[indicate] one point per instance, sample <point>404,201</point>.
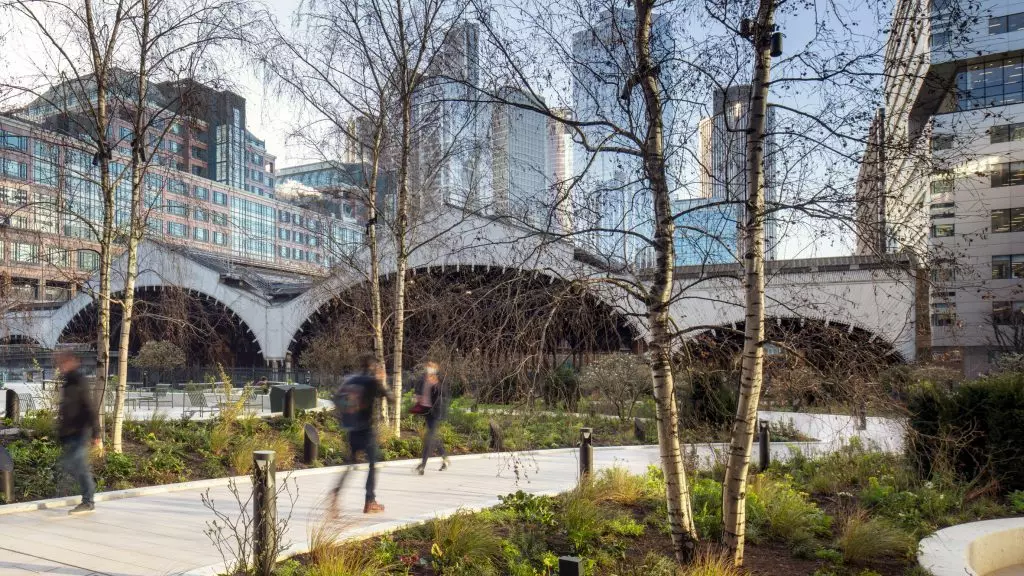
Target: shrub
<point>349,560</point>
<point>865,538</point>
<point>617,485</point>
<point>117,469</point>
<point>465,545</point>
<point>626,527</point>
<point>976,429</point>
<point>40,423</point>
<point>581,519</point>
<point>529,508</point>
<point>706,502</point>
<point>711,563</point>
<point>619,379</point>
<point>709,397</point>
<point>786,514</point>
<point>1016,499</point>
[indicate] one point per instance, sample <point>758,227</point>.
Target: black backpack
<point>349,401</point>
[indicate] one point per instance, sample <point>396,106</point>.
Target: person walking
<point>78,429</point>
<point>430,404</point>
<point>354,402</point>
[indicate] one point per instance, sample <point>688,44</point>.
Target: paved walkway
<point>162,534</point>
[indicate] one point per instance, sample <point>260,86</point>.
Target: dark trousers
<point>432,439</point>
<point>364,441</point>
<point>75,461</point>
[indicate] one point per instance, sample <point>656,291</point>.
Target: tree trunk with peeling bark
<point>401,259</point>
<point>136,223</point>
<point>734,492</point>
<point>680,514</point>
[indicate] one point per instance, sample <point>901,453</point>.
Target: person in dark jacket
<point>354,402</point>
<point>78,429</point>
<point>429,396</point>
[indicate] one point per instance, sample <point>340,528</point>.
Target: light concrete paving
<point>162,533</point>
<point>986,548</point>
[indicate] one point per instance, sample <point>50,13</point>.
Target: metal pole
<point>13,406</point>
<point>570,566</point>
<point>764,444</point>
<point>6,475</point>
<point>289,403</point>
<point>310,444</point>
<point>264,511</point>
<point>586,453</point>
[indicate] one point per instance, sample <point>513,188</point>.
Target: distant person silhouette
<point>78,429</point>
<point>353,403</point>
<point>430,403</point>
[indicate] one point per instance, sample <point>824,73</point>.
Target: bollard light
<point>764,444</point>
<point>586,453</point>
<point>264,513</point>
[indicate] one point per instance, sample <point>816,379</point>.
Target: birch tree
<point>173,42</point>
<point>81,40</point>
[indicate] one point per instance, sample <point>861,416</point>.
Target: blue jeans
<point>75,461</point>
<point>364,441</point>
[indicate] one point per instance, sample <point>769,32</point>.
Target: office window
<point>284,251</point>
<point>12,141</point>
<point>283,234</point>
<point>942,141</point>
<point>175,208</point>
<point>198,153</point>
<point>939,39</point>
<point>155,226</point>
<point>284,216</point>
<point>1006,133</point>
<point>88,260</point>
<point>1001,267</point>
<point>943,210</point>
<point>200,215</point>
<point>1008,220</point>
<point>220,238</point>
<point>1008,313</point>
<point>13,169</point>
<point>24,252</point>
<point>942,230</point>
<point>1017,266</point>
<point>201,234</point>
<point>201,192</point>
<point>220,198</point>
<point>994,83</point>
<point>176,128</point>
<point>220,218</point>
<point>177,187</point>
<point>943,313</point>
<point>177,229</point>
<point>1007,23</point>
<point>1007,174</point>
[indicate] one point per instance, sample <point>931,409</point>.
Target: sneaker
<point>372,508</point>
<point>444,464</point>
<point>421,469</point>
<point>83,508</point>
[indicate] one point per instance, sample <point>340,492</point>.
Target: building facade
<point>612,208</point>
<point>706,232</point>
<point>451,128</point>
<point>519,160</point>
<point>52,210</point>
<point>953,170</point>
<point>560,170</point>
<point>723,162</point>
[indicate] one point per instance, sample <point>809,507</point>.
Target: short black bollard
<point>862,417</point>
<point>586,453</point>
<point>6,475</point>
<point>13,406</point>
<point>570,566</point>
<point>497,442</point>
<point>264,511</point>
<point>289,403</point>
<point>310,444</point>
<point>764,444</point>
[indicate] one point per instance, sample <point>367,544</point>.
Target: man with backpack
<point>430,404</point>
<point>354,402</point>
